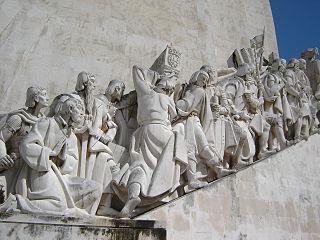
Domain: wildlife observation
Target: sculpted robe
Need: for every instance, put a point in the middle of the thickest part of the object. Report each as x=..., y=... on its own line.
x=19, y=123
x=157, y=158
x=292, y=88
x=48, y=184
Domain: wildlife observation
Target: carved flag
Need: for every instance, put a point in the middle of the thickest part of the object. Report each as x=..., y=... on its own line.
x=258, y=41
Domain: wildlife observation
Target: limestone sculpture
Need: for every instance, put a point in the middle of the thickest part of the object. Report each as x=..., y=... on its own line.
x=176, y=137
x=47, y=181
x=16, y=125
x=156, y=161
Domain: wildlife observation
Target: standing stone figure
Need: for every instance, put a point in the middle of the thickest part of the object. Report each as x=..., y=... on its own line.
x=227, y=135
x=124, y=109
x=47, y=182
x=96, y=160
x=313, y=69
x=156, y=161
x=297, y=100
x=193, y=107
x=253, y=107
x=275, y=104
x=18, y=124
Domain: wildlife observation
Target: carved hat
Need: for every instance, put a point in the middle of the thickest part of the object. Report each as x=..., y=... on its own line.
x=242, y=60
x=169, y=61
x=310, y=53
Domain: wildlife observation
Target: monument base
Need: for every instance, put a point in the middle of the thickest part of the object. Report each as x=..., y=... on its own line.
x=22, y=226
x=275, y=198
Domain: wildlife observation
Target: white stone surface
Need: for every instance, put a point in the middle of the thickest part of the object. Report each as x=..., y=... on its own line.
x=30, y=227
x=48, y=43
x=277, y=198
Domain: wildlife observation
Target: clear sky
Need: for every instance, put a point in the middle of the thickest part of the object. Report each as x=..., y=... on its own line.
x=297, y=25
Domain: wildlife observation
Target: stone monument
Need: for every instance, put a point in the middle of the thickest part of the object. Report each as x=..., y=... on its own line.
x=86, y=159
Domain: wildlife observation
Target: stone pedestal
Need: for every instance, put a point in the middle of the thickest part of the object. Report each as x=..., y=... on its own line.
x=21, y=226
x=276, y=198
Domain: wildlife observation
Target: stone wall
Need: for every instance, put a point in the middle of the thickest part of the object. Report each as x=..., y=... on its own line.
x=277, y=198
x=30, y=227
x=48, y=43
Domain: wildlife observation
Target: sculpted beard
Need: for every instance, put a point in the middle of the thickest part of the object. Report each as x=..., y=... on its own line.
x=89, y=99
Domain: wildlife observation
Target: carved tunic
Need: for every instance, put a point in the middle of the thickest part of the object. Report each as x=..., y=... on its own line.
x=155, y=157
x=47, y=184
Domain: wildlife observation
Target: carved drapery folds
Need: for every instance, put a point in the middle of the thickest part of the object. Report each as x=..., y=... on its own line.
x=116, y=154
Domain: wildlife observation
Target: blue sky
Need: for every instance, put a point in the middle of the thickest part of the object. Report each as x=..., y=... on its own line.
x=297, y=25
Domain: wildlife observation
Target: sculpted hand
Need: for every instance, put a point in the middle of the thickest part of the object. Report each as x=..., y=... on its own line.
x=63, y=153
x=236, y=117
x=247, y=95
x=7, y=161
x=224, y=111
x=246, y=117
x=215, y=108
x=88, y=118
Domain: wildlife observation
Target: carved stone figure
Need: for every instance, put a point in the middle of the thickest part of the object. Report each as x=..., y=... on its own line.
x=16, y=125
x=228, y=135
x=313, y=102
x=97, y=161
x=193, y=107
x=251, y=102
x=275, y=104
x=299, y=112
x=253, y=107
x=47, y=181
x=246, y=149
x=124, y=109
x=126, y=118
x=313, y=69
x=156, y=161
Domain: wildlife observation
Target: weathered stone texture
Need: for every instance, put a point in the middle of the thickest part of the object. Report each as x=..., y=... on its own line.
x=48, y=43
x=277, y=198
x=20, y=226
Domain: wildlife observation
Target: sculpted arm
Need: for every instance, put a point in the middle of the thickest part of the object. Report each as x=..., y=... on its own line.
x=226, y=73
x=32, y=148
x=143, y=79
x=290, y=85
x=70, y=156
x=189, y=102
x=12, y=125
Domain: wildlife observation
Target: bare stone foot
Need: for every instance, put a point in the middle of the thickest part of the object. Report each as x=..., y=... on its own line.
x=265, y=154
x=10, y=204
x=196, y=184
x=242, y=164
x=130, y=205
x=221, y=172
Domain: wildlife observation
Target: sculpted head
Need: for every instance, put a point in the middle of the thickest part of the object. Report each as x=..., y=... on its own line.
x=200, y=78
x=37, y=96
x=166, y=84
x=213, y=74
x=85, y=81
x=115, y=90
x=283, y=65
x=302, y=64
x=294, y=64
x=71, y=110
